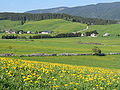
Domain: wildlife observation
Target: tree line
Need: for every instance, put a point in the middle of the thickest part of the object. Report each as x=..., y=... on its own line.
x=23, y=17
x=42, y=36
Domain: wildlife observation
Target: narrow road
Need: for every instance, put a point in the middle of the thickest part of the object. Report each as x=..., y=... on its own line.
x=83, y=29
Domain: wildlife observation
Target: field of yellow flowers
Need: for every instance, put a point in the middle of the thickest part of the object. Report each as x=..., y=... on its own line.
x=16, y=74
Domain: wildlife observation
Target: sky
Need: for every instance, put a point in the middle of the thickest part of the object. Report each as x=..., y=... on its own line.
x=26, y=5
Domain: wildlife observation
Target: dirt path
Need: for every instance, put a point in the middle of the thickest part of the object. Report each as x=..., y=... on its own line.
x=83, y=29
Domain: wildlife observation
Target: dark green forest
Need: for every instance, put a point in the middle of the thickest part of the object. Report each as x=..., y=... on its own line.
x=23, y=17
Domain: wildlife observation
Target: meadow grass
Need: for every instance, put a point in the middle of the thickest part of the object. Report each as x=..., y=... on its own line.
x=59, y=26
x=7, y=24
x=110, y=61
x=66, y=45
x=55, y=25
x=59, y=45
x=113, y=29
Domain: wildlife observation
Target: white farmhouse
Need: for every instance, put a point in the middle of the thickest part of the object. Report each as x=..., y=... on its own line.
x=10, y=32
x=82, y=35
x=20, y=32
x=93, y=35
x=106, y=34
x=28, y=32
x=45, y=32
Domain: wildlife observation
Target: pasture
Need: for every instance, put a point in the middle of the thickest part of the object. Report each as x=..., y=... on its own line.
x=7, y=24
x=113, y=29
x=60, y=45
x=67, y=45
x=55, y=25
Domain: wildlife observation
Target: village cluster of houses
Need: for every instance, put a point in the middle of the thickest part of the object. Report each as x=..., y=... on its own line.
x=48, y=32
x=27, y=32
x=95, y=35
x=92, y=35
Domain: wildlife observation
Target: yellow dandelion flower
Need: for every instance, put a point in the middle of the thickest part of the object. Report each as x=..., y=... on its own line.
x=36, y=81
x=30, y=81
x=71, y=82
x=77, y=83
x=50, y=82
x=54, y=79
x=66, y=85
x=23, y=77
x=96, y=85
x=61, y=76
x=56, y=86
x=39, y=78
x=75, y=89
x=14, y=67
x=101, y=88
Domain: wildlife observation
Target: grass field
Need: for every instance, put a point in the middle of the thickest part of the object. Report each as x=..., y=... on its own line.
x=7, y=24
x=111, y=62
x=113, y=29
x=56, y=25
x=67, y=45
x=59, y=45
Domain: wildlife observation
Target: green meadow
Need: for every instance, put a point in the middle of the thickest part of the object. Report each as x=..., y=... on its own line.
x=7, y=24
x=64, y=45
x=58, y=26
x=60, y=45
x=110, y=61
x=55, y=25
x=67, y=45
x=113, y=29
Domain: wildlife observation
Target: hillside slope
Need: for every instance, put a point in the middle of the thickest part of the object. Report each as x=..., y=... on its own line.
x=113, y=29
x=101, y=10
x=8, y=24
x=56, y=25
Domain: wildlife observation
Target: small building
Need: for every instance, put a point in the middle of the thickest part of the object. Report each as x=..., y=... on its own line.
x=82, y=35
x=10, y=32
x=93, y=35
x=45, y=32
x=28, y=32
x=106, y=34
x=19, y=32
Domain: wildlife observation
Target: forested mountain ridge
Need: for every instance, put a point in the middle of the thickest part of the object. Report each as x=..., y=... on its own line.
x=101, y=10
x=37, y=17
x=52, y=10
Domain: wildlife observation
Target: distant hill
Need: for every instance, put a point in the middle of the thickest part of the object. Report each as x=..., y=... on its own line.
x=101, y=10
x=52, y=10
x=55, y=25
